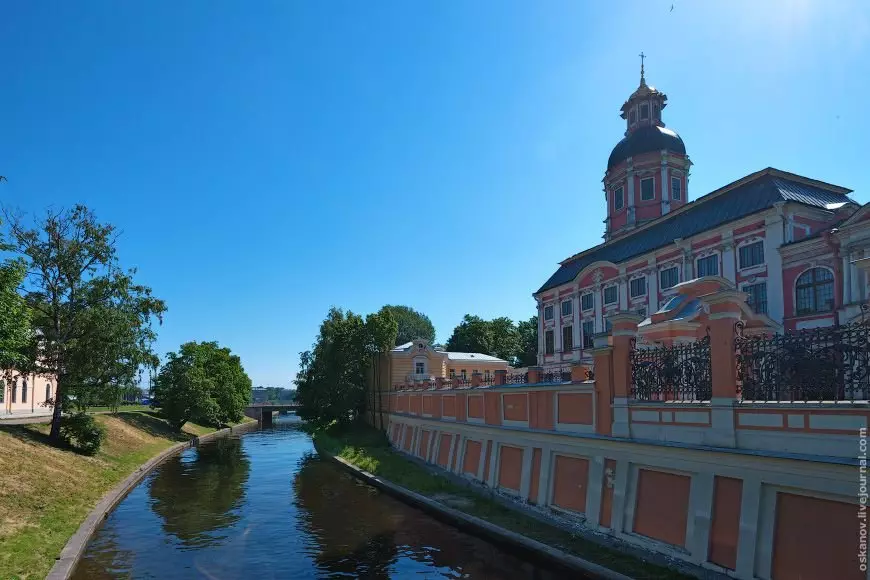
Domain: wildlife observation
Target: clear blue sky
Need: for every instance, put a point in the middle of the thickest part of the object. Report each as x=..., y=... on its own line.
x=267, y=160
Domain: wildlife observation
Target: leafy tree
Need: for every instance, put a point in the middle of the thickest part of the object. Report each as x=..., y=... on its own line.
x=498, y=337
x=331, y=383
x=92, y=322
x=411, y=324
x=15, y=330
x=204, y=383
x=382, y=329
x=527, y=354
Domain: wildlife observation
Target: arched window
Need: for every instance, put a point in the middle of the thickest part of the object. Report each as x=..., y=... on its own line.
x=47, y=391
x=2, y=391
x=814, y=291
x=14, y=391
x=23, y=391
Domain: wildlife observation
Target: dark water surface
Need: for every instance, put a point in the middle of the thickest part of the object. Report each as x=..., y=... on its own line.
x=263, y=505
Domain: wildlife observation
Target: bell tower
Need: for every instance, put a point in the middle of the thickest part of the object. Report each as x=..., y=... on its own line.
x=648, y=170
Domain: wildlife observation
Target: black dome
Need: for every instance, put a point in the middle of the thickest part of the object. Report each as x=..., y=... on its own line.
x=644, y=140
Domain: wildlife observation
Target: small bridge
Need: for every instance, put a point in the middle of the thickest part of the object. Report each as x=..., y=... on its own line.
x=263, y=412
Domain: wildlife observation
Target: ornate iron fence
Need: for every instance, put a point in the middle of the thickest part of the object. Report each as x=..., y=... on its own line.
x=820, y=364
x=672, y=373
x=487, y=381
x=516, y=378
x=556, y=376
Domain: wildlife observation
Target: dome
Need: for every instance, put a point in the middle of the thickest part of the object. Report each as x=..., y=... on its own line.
x=645, y=140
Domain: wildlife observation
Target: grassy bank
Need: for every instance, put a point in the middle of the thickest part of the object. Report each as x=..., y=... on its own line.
x=46, y=492
x=368, y=449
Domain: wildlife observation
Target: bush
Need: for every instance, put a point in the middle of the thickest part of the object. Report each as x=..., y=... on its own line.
x=82, y=433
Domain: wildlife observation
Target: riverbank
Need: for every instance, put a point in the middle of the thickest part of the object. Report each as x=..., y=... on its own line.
x=46, y=492
x=368, y=449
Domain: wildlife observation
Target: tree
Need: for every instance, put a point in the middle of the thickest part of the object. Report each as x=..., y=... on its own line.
x=15, y=319
x=92, y=322
x=498, y=337
x=381, y=329
x=331, y=383
x=527, y=354
x=411, y=324
x=204, y=383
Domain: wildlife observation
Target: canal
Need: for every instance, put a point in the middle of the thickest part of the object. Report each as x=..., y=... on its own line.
x=264, y=505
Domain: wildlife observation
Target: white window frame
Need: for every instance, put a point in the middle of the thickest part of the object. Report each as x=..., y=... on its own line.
x=679, y=181
x=604, y=295
x=571, y=334
x=748, y=242
x=653, y=179
x=552, y=312
x=570, y=304
x=645, y=288
x=665, y=269
x=584, y=322
x=706, y=257
x=592, y=306
x=620, y=197
x=545, y=342
x=756, y=282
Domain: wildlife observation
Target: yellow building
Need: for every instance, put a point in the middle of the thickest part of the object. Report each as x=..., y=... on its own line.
x=418, y=361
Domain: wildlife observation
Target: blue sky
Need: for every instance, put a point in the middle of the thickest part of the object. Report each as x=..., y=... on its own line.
x=267, y=160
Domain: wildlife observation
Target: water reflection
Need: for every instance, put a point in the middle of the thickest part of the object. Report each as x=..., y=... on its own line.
x=266, y=506
x=198, y=495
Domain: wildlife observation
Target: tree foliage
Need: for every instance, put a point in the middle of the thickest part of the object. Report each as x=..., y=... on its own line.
x=527, y=354
x=331, y=383
x=204, y=383
x=411, y=324
x=15, y=331
x=92, y=322
x=497, y=337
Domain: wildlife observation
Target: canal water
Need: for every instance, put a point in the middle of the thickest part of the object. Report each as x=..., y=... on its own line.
x=264, y=505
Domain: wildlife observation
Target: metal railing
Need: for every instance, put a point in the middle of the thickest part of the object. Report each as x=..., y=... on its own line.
x=556, y=376
x=819, y=364
x=680, y=372
x=516, y=378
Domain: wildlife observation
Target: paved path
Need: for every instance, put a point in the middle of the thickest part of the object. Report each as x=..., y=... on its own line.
x=23, y=418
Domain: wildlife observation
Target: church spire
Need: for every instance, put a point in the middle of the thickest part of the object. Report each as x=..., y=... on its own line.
x=642, y=79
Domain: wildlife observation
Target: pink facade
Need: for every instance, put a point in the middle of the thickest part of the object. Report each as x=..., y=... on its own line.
x=26, y=394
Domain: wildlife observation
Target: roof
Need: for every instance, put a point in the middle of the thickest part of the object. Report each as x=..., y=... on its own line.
x=458, y=356
x=472, y=356
x=644, y=140
x=751, y=194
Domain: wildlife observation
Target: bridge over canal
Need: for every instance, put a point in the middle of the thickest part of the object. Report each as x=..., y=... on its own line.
x=263, y=412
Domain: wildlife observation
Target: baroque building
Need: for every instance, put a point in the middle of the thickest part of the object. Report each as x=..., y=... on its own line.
x=792, y=244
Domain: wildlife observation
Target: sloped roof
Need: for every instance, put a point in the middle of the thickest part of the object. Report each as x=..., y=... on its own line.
x=749, y=195
x=472, y=356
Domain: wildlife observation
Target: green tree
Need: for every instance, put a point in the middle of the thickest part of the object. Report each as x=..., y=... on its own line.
x=204, y=383
x=498, y=337
x=381, y=329
x=411, y=324
x=15, y=319
x=92, y=322
x=331, y=383
x=527, y=354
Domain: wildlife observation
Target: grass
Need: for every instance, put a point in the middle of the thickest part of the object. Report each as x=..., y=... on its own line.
x=46, y=492
x=368, y=449
x=121, y=409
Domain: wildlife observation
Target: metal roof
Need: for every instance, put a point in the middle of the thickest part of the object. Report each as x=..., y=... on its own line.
x=758, y=192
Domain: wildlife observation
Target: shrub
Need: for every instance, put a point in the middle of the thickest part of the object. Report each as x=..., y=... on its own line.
x=82, y=433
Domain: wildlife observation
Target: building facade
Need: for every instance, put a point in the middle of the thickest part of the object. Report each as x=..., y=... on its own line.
x=791, y=243
x=419, y=362
x=25, y=394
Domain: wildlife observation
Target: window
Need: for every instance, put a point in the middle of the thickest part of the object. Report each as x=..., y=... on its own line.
x=708, y=266
x=567, y=308
x=452, y=373
x=752, y=254
x=2, y=391
x=23, y=391
x=632, y=117
x=587, y=302
x=608, y=326
x=588, y=329
x=669, y=278
x=644, y=111
x=463, y=374
x=647, y=189
x=618, y=199
x=676, y=188
x=637, y=287
x=815, y=291
x=567, y=338
x=486, y=374
x=420, y=368
x=757, y=297
x=548, y=312
x=610, y=295
x=47, y=391
x=14, y=392
x=549, y=342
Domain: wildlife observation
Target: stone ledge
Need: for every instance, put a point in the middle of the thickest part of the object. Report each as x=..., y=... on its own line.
x=75, y=546
x=482, y=528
